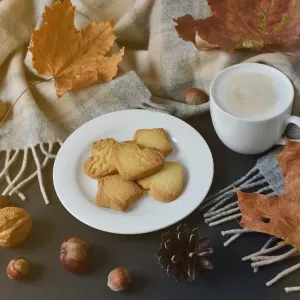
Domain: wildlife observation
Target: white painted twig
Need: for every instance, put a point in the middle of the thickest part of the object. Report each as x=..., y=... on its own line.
x=225, y=197
x=268, y=257
x=225, y=220
x=269, y=242
x=232, y=239
x=24, y=164
x=229, y=194
x=263, y=257
x=236, y=184
x=39, y=174
x=273, y=260
x=265, y=251
x=265, y=246
x=222, y=214
x=283, y=274
x=243, y=187
x=212, y=213
x=292, y=289
x=236, y=236
x=235, y=231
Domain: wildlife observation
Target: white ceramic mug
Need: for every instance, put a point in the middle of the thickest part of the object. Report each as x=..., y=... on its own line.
x=253, y=136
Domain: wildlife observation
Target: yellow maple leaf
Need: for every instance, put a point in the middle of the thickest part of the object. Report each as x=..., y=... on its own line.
x=73, y=58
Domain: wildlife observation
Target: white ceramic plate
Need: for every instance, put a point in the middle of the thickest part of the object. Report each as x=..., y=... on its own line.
x=77, y=191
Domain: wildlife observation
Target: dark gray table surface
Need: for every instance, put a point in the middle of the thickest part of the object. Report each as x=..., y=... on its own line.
x=230, y=279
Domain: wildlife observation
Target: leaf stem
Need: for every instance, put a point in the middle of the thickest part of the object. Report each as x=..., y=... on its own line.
x=285, y=53
x=15, y=102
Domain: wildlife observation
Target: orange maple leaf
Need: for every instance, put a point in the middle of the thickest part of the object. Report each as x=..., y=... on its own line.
x=244, y=24
x=277, y=215
x=3, y=108
x=73, y=58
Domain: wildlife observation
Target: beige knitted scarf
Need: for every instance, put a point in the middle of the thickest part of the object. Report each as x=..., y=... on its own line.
x=156, y=71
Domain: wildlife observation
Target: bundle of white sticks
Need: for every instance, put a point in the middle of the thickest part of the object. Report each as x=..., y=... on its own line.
x=223, y=207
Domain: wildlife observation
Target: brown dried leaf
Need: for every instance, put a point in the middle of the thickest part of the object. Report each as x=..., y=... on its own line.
x=245, y=24
x=277, y=215
x=74, y=58
x=201, y=44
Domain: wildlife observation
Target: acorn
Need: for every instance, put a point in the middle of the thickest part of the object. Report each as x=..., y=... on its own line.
x=195, y=96
x=119, y=279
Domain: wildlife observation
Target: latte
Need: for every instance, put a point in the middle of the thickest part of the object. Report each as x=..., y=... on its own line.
x=249, y=95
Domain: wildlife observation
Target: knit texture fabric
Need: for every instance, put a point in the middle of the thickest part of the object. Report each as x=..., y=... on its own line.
x=156, y=71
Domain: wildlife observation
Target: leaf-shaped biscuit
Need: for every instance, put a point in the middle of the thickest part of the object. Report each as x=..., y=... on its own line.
x=101, y=163
x=74, y=58
x=133, y=163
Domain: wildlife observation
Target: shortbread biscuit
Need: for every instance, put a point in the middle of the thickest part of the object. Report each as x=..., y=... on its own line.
x=104, y=146
x=117, y=193
x=145, y=182
x=101, y=163
x=133, y=163
x=153, y=138
x=167, y=184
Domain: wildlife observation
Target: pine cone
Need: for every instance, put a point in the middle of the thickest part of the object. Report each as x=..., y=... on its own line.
x=183, y=253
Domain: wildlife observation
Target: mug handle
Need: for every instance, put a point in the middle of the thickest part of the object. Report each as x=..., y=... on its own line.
x=291, y=119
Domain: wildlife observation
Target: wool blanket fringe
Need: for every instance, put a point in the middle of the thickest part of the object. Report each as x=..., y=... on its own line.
x=13, y=157
x=222, y=207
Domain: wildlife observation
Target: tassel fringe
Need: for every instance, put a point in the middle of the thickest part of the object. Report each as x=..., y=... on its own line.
x=14, y=185
x=223, y=207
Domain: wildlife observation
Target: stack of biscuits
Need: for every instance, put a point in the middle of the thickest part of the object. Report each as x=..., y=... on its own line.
x=125, y=169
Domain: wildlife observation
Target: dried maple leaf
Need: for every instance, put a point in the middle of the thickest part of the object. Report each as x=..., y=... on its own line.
x=238, y=24
x=277, y=215
x=73, y=58
x=3, y=108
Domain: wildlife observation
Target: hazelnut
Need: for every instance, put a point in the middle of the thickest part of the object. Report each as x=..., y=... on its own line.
x=17, y=268
x=3, y=202
x=195, y=96
x=74, y=255
x=119, y=279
